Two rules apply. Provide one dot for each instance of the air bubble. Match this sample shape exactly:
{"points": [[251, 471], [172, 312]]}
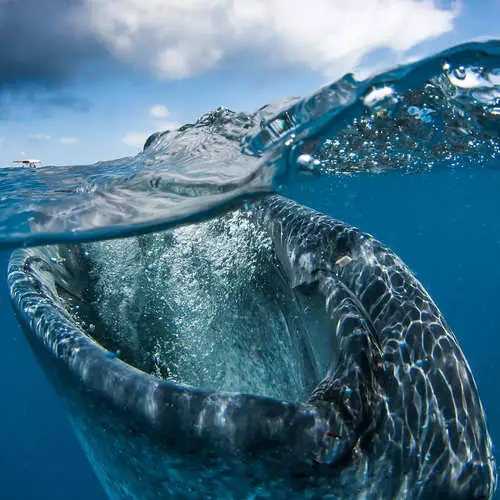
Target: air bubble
{"points": [[377, 95], [290, 141], [460, 73], [56, 260], [308, 162], [381, 99]]}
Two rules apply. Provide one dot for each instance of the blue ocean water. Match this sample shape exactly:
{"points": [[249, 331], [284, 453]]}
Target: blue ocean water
{"points": [[410, 156], [40, 456], [445, 226]]}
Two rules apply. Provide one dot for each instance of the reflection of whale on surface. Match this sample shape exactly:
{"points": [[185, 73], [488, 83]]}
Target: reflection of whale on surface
{"points": [[280, 302]]}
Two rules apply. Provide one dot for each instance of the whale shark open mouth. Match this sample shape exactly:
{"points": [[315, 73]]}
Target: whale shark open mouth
{"points": [[269, 351]]}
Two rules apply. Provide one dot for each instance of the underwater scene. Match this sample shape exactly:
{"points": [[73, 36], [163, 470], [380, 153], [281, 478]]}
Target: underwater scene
{"points": [[298, 302]]}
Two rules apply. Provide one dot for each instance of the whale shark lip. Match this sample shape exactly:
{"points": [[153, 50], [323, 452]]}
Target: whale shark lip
{"points": [[163, 407], [47, 286]]}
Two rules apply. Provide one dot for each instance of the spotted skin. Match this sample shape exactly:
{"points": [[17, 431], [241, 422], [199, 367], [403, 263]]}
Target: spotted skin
{"points": [[401, 381]]}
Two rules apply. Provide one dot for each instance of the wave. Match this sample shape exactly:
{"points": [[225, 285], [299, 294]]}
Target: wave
{"points": [[440, 112]]}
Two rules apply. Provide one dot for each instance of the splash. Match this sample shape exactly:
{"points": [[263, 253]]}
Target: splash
{"points": [[439, 112]]}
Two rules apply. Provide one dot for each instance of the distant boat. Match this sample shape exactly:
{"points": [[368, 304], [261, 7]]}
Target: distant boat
{"points": [[29, 163]]}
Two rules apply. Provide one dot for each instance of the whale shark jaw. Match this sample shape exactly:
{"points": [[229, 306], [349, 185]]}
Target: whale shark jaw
{"points": [[271, 351]]}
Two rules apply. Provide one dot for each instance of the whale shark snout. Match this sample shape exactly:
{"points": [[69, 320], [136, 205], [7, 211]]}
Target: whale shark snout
{"points": [[268, 352]]}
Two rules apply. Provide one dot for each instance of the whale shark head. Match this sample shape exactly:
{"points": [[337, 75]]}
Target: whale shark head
{"points": [[272, 351]]}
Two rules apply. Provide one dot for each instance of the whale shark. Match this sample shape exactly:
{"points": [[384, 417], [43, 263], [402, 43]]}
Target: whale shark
{"points": [[271, 352]]}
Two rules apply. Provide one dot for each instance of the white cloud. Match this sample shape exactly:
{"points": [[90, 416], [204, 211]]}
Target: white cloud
{"points": [[159, 111], [41, 137], [180, 38], [135, 139], [69, 140]]}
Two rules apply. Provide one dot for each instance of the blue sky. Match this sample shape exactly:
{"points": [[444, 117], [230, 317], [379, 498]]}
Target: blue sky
{"points": [[87, 80]]}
